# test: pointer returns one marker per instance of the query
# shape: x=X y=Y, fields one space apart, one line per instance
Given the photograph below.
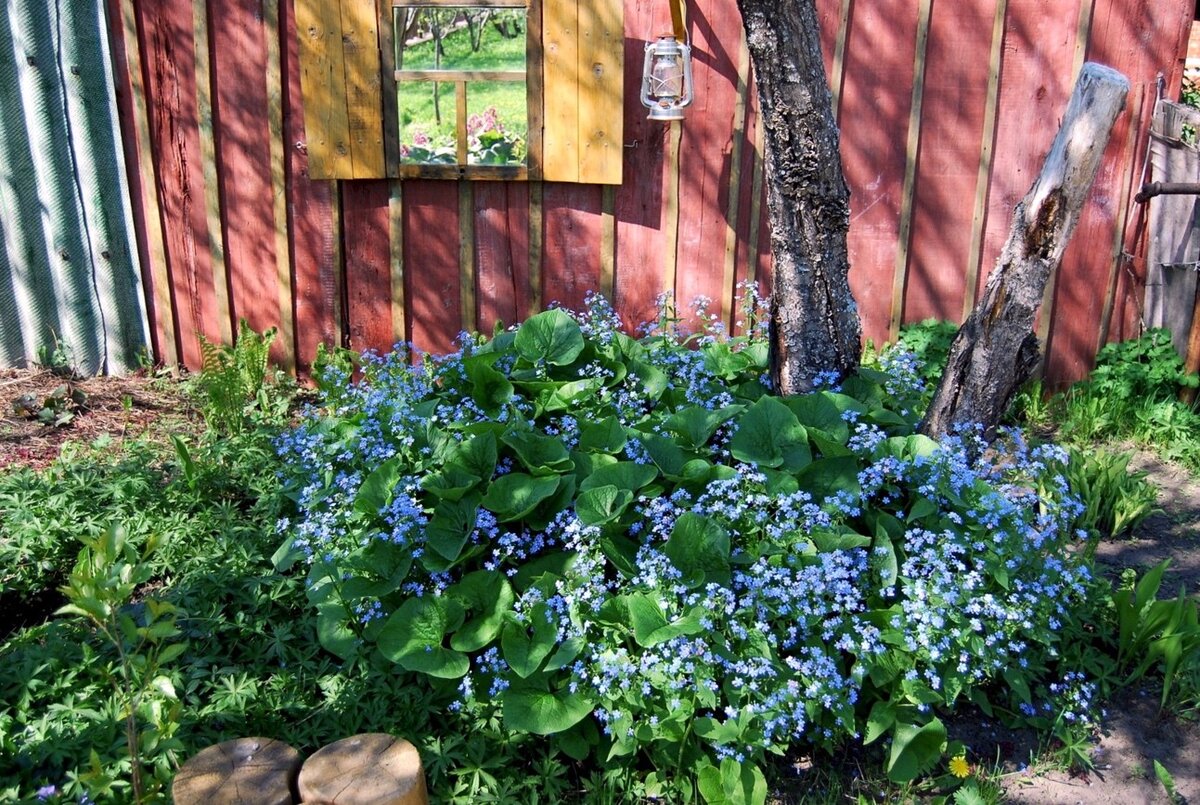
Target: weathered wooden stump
x=369 y=769
x=246 y=771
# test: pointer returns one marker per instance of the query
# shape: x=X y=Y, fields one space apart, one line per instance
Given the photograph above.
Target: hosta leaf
x=551 y=336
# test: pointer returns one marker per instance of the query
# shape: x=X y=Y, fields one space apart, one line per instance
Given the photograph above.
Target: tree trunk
x=814 y=322
x=995 y=350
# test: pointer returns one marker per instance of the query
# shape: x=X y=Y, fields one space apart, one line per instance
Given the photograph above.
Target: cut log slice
x=239 y=772
x=369 y=769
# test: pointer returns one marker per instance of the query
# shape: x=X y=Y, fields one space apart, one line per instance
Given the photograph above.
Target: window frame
x=391 y=82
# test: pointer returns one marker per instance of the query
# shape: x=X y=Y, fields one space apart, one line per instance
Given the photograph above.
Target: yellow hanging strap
x=677 y=20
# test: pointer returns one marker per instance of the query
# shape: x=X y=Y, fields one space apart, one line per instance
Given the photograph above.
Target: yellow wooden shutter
x=340 y=81
x=582 y=90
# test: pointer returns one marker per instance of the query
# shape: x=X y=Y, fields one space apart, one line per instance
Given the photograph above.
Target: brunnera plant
x=630 y=546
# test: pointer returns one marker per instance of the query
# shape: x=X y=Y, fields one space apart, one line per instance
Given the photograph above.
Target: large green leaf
x=732 y=783
x=489 y=388
x=915 y=749
x=695 y=425
x=818 y=410
x=699 y=548
x=531 y=707
x=526 y=646
x=333 y=630
x=565 y=396
x=654 y=381
x=451 y=525
x=825 y=477
x=605 y=436
x=602 y=504
x=623 y=475
x=769 y=435
x=516 y=494
x=669 y=456
x=650 y=624
x=542 y=455
x=451 y=482
x=487 y=596
x=477 y=455
x=551 y=336
x=413 y=637
x=376 y=490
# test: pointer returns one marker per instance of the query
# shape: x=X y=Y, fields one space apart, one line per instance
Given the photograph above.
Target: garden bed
x=1135 y=734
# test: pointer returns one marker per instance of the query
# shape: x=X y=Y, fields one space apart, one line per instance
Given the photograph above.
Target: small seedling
x=57 y=409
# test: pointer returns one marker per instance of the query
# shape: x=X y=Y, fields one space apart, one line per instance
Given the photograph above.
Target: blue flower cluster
x=743 y=605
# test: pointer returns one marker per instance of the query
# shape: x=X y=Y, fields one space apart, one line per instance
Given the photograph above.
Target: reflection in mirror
x=461 y=85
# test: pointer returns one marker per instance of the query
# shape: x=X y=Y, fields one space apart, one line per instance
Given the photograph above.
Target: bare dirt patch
x=119 y=407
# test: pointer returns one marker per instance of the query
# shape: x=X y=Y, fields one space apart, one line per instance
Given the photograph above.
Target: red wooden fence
x=946 y=109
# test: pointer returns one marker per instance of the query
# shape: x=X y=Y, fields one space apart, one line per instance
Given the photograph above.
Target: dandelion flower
x=959 y=766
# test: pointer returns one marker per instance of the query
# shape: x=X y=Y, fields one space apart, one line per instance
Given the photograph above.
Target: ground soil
x=1134 y=735
x=117 y=407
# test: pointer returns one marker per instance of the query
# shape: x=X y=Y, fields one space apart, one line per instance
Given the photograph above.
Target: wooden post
x=1192 y=362
x=996 y=350
x=372 y=768
x=246 y=771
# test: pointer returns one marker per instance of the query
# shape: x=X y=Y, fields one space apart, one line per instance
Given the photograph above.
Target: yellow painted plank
x=208 y=165
x=601 y=86
x=756 y=198
x=986 y=152
x=537 y=237
x=671 y=208
x=396 y=240
x=560 y=91
x=323 y=85
x=364 y=89
x=535 y=106
x=907 y=199
x=283 y=261
x=608 y=241
x=838 y=76
x=148 y=189
x=466 y=256
x=733 y=209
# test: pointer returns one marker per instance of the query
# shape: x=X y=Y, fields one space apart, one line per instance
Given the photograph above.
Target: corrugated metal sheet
x=69 y=273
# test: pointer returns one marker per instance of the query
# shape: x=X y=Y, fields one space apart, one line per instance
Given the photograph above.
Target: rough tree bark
x=995 y=350
x=814 y=321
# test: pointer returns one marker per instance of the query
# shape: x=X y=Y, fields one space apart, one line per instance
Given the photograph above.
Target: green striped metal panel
x=69 y=274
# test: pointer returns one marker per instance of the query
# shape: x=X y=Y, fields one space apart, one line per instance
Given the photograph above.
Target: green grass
x=416 y=100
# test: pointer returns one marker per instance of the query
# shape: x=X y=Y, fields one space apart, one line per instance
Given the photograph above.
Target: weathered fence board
x=946 y=111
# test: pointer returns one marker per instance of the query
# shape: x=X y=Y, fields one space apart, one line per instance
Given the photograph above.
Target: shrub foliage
x=632 y=547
